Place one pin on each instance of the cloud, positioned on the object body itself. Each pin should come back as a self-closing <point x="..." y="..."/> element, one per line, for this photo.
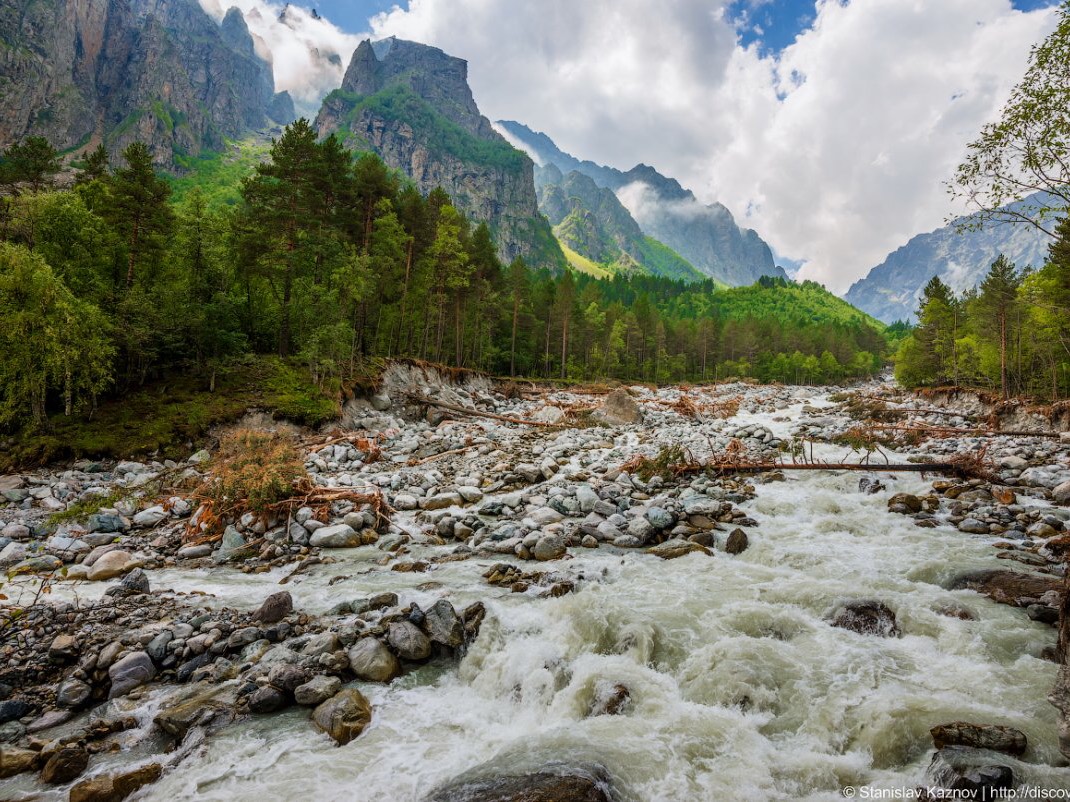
<point x="308" y="54"/>
<point x="835" y="149"/>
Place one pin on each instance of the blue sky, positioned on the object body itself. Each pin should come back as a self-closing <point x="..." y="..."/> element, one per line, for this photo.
<point x="352" y="15"/>
<point x="773" y="24"/>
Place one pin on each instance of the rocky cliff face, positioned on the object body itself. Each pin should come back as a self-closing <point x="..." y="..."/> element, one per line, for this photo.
<point x="705" y="236"/>
<point x="411" y="104"/>
<point x="161" y="71"/>
<point x="891" y="290"/>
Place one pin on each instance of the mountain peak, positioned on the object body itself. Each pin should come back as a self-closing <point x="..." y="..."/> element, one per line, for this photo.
<point x="433" y="75"/>
<point x="891" y="290"/>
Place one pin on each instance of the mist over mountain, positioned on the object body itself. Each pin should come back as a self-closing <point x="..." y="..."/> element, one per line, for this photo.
<point x="706" y="236"/>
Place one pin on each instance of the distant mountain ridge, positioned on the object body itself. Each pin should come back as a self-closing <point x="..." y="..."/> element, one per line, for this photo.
<point x="411" y="104"/>
<point x="891" y="290"/>
<point x="590" y="222"/>
<point x="707" y="237"/>
<point x="81" y="72"/>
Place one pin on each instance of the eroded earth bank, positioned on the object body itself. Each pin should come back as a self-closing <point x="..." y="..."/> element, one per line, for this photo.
<point x="553" y="599"/>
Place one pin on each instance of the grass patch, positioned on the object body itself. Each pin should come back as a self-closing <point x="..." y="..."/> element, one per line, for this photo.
<point x="583" y="264"/>
<point x="169" y="418"/>
<point x="83" y="508"/>
<point x="219" y="175"/>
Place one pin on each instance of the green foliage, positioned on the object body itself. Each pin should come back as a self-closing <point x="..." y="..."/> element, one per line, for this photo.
<point x="33" y="161"/>
<point x="1027" y="150"/>
<point x="661" y="260"/>
<point x="1011" y="335"/>
<point x="172" y="302"/>
<point x="48" y="338"/>
<point x="166" y="417"/>
<point x="136" y="207"/>
<point x="444" y="136"/>
<point x="218" y="175"/>
<point x="84" y="507"/>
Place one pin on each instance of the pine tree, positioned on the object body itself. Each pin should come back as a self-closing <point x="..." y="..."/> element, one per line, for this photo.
<point x="95" y="166"/>
<point x="566" y="299"/>
<point x="996" y="301"/>
<point x="283" y="199"/>
<point x="136" y="206"/>
<point x="33" y="161"/>
<point x="518" y="292"/>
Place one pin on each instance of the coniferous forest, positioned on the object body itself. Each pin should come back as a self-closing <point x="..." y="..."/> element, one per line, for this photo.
<point x="1010" y="335"/>
<point x="329" y="259"/>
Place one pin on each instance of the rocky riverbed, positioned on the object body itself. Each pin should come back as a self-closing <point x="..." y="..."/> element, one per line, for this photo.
<point x="533" y="610"/>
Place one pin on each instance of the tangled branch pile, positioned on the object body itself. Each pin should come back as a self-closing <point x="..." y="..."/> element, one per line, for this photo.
<point x="671" y="461"/>
<point x="263" y="473"/>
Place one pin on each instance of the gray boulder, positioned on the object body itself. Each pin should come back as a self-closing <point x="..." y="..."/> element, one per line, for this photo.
<point x="370" y="660"/>
<point x="339" y="536"/>
<point x="131" y="672"/>
<point x="619" y="409"/>
<point x="408" y="641"/>
<point x="344" y="716"/>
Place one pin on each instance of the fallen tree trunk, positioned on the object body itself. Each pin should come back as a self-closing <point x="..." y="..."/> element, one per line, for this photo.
<point x="476" y="413"/>
<point x="952" y="468"/>
<point x="950" y="430"/>
<point x="679" y="462"/>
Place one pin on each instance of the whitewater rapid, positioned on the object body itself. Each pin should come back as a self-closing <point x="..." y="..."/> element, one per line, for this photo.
<point x="739" y="687"/>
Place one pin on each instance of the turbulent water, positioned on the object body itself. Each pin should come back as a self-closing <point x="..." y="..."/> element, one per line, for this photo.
<point x="739" y="687"/>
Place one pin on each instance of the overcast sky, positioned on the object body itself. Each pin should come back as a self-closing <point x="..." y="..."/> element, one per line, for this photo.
<point x="828" y="126"/>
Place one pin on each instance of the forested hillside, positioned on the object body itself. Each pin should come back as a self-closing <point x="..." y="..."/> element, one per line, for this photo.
<point x="1011" y="335"/>
<point x="326" y="259"/>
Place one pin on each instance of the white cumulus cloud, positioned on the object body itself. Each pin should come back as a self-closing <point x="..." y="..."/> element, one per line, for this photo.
<point x="835" y="150"/>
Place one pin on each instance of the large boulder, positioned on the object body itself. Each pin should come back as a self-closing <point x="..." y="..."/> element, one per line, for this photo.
<point x="737" y="542"/>
<point x="555" y="783"/>
<point x="150" y="517"/>
<point x="1016" y="588"/>
<point x="443" y="625"/>
<point x="1060" y="494"/>
<point x="115" y="787"/>
<point x="65" y="765"/>
<point x="619" y="409"/>
<point x="677" y="547"/>
<point x="201" y="708"/>
<point x="131" y="672"/>
<point x="275" y="608"/>
<point x="339" y="536"/>
<point x="550" y="547"/>
<point x="371" y="661"/>
<point x="344" y="716"/>
<point x="15" y="760"/>
<point x="904" y="503"/>
<point x="408" y="641"/>
<point x="979" y="736"/>
<point x="231" y="547"/>
<point x="974" y="773"/>
<point x="317" y="690"/>
<point x="113" y="564"/>
<point x="866" y="617"/>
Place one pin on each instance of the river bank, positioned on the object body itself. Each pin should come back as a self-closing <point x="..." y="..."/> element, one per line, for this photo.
<point x="777" y="636"/>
